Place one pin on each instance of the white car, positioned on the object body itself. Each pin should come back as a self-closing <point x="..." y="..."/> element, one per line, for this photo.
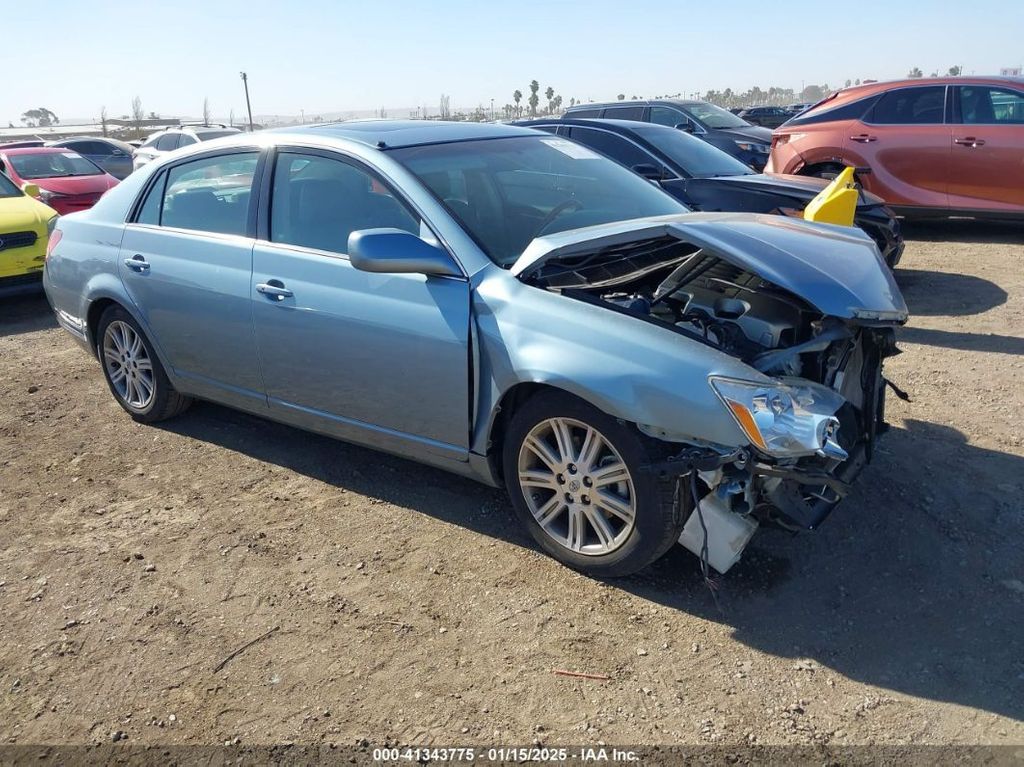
<point x="166" y="141"/>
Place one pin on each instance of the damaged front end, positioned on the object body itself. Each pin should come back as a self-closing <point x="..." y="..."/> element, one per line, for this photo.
<point x="812" y="317"/>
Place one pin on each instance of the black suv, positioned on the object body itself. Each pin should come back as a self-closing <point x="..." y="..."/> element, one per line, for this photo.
<point x="706" y="179"/>
<point x="769" y="117"/>
<point x="750" y="144"/>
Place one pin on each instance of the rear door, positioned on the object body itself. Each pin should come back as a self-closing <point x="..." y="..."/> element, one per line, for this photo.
<point x="186" y="261"/>
<point x="381" y="359"/>
<point x="905" y="141"/>
<point x="987" y="163"/>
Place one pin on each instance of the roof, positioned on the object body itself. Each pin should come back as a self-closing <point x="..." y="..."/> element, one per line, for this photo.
<point x="37" y="150"/>
<point x="392" y="134"/>
<point x="882" y="85"/>
<point x="633" y="102"/>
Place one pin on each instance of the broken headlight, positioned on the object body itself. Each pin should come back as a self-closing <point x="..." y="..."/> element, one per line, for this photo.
<point x="784" y="418"/>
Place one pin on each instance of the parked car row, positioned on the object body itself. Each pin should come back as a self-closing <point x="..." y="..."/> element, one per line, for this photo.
<point x="506" y="304"/>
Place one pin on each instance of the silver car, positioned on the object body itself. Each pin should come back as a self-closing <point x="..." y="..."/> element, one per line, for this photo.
<point x="504" y="304"/>
<point x="115" y="157"/>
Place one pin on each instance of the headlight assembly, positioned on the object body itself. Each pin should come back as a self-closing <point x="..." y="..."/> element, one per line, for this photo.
<point x="752" y="146"/>
<point x="784" y="418"/>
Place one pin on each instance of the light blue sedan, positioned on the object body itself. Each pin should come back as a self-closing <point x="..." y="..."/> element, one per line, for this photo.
<point x="504" y="304"/>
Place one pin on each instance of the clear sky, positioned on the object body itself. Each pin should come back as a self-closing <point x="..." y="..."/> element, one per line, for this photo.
<point x="334" y="55"/>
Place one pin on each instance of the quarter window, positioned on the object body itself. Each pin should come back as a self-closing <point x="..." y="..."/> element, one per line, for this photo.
<point x="981" y="105"/>
<point x="317" y="202"/>
<point x="209" y="195"/>
<point x="167" y="142"/>
<point x="911" y="106"/>
<point x="149" y="213"/>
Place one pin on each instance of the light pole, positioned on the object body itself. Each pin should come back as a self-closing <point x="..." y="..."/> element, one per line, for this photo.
<point x="248" y="106"/>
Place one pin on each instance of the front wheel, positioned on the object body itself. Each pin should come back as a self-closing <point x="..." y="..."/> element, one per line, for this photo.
<point x="132" y="371"/>
<point x="576" y="480"/>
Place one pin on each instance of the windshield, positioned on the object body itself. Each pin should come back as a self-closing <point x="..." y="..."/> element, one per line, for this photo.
<point x="716" y="117"/>
<point x="8" y="188"/>
<point x="695" y="156"/>
<point x="505" y="192"/>
<point x="52" y="165"/>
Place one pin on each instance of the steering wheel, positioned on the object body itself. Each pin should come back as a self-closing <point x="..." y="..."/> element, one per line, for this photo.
<point x="564" y="207"/>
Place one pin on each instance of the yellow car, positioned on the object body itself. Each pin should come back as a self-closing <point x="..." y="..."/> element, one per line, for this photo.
<point x="25" y="226"/>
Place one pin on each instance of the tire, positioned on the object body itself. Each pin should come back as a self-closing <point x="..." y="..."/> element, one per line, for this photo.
<point x="132" y="370"/>
<point x="591" y="490"/>
<point x="826" y="171"/>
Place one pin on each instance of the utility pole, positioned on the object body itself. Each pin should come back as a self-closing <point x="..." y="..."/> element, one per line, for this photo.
<point x="248" y="106"/>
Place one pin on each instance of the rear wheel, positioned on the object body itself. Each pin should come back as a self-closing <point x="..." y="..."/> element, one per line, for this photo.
<point x="134" y="374"/>
<point x="575" y="478"/>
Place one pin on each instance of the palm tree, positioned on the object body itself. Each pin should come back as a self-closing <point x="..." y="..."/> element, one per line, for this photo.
<point x="534" y="98"/>
<point x="517" y="97"/>
<point x="550" y="94"/>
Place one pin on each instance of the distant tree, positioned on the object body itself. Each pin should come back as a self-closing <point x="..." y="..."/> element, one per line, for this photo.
<point x="955" y="71"/>
<point x="534" y="98"/>
<point x="848" y="83"/>
<point x="621" y="97"/>
<point x="206" y="111"/>
<point x="517" y="97"/>
<point x="446" y="110"/>
<point x="103" y="120"/>
<point x="857" y="81"/>
<point x="231" y="117"/>
<point x="934" y="74"/>
<point x="557" y="103"/>
<point x="382" y="113"/>
<point x="814" y="93"/>
<point x="41" y="117"/>
<point x="915" y="72"/>
<point x="137" y="115"/>
<point x="550" y="95"/>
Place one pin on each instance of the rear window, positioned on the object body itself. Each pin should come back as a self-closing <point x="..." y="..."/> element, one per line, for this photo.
<point x="207" y="135"/>
<point x="825" y="112"/>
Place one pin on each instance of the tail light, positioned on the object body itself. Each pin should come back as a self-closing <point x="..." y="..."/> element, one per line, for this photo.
<point x="51" y="243"/>
<point x="778" y="139"/>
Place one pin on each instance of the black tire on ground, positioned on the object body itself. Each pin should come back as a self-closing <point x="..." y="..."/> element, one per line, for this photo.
<point x="658" y="520"/>
<point x="826" y="170"/>
<point x="166" y="401"/>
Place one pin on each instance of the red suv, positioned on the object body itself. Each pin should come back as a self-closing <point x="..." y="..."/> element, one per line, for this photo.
<point x="935" y="146"/>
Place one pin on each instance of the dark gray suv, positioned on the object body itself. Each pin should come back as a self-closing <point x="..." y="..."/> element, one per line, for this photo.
<point x="750" y="144"/>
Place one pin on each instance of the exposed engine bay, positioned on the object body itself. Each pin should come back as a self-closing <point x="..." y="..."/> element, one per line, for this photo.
<point x="827" y="371"/>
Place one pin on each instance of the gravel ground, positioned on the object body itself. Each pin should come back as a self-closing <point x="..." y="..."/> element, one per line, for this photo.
<point x="394" y="602"/>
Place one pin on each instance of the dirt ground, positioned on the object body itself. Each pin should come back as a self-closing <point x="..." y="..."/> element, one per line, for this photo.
<point x="405" y="605"/>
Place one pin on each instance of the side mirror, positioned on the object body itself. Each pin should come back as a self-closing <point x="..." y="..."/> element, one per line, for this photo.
<point x="393" y="251"/>
<point x="648" y="170"/>
<point x="686" y="125"/>
<point x="32" y="190"/>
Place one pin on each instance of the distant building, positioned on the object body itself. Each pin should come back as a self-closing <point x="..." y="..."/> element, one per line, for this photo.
<point x="1011" y="71"/>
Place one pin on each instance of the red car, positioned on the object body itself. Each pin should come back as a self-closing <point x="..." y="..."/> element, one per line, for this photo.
<point x="67" y="181"/>
<point x="933" y="146"/>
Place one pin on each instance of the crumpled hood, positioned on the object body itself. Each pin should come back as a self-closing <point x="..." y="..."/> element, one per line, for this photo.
<point x="836" y="269"/>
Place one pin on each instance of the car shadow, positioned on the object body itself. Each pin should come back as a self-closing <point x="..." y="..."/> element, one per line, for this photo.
<point x="25" y="314"/>
<point x="945" y="294"/>
<point x="963" y="230"/>
<point x="970" y="342"/>
<point x="909" y="586"/>
<point x="913" y="584"/>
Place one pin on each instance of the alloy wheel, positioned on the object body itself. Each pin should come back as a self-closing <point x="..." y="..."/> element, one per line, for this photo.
<point x="576" y="486"/>
<point x="128" y="365"/>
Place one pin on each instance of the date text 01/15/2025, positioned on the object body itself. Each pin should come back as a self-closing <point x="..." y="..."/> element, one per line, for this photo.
<point x="504" y="754"/>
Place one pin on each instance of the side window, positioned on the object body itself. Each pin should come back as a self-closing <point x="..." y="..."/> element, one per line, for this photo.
<point x="185" y="140"/>
<point x="614" y="147"/>
<point x="211" y="194"/>
<point x="584" y="113"/>
<point x="624" y="113"/>
<point x="981" y="105"/>
<point x="667" y="116"/>
<point x="149" y="213"/>
<point x="317" y="202"/>
<point x="910" y="106"/>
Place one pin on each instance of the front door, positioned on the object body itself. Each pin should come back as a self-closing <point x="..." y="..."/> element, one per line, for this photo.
<point x="987" y="168"/>
<point x="186" y="262"/>
<point x="381" y="359"/>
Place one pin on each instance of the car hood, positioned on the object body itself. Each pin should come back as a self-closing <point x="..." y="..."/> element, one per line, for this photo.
<point x="75" y="185"/>
<point x="23" y="212"/>
<point x="833" y="268"/>
<point x="804" y="188"/>
<point x="753" y="132"/>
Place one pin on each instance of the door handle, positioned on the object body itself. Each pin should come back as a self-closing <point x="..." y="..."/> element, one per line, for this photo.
<point x="863" y="138"/>
<point x="970" y="141"/>
<point x="137" y="263"/>
<point x="274" y="290"/>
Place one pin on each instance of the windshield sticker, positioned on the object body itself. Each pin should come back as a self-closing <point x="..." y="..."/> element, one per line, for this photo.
<point x="570" y="149"/>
